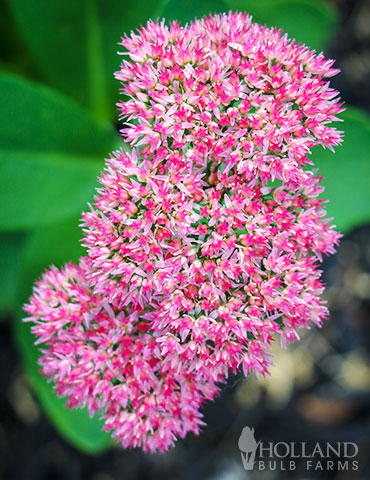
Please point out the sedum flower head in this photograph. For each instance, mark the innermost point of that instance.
(214, 224)
(203, 243)
(106, 360)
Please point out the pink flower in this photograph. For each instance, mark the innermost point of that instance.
(204, 243)
(106, 360)
(221, 249)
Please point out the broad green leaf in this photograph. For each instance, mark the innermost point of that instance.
(56, 245)
(309, 21)
(11, 245)
(52, 244)
(187, 10)
(74, 44)
(41, 188)
(346, 172)
(36, 118)
(76, 426)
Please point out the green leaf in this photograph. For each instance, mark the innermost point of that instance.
(54, 245)
(75, 426)
(346, 173)
(187, 10)
(36, 118)
(74, 44)
(41, 188)
(51, 152)
(11, 245)
(312, 22)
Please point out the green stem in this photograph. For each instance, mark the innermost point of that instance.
(98, 95)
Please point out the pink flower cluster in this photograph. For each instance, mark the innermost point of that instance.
(106, 360)
(203, 244)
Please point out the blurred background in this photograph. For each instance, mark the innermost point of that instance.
(58, 121)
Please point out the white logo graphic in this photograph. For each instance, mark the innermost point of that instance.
(248, 446)
(334, 456)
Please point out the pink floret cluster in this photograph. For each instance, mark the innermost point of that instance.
(107, 360)
(203, 243)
